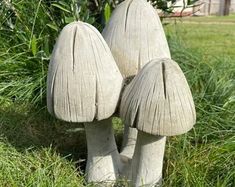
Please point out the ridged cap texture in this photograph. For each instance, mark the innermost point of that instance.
(84, 82)
(158, 100)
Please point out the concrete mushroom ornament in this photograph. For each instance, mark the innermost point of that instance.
(83, 85)
(88, 79)
(158, 102)
(135, 36)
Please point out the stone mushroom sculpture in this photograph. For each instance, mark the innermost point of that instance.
(84, 84)
(135, 36)
(158, 103)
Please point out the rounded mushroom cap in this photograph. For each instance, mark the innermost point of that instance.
(158, 100)
(135, 36)
(84, 82)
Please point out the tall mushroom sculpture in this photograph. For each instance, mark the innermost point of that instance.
(158, 103)
(84, 85)
(135, 36)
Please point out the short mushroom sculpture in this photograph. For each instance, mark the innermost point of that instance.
(84, 85)
(158, 102)
(135, 36)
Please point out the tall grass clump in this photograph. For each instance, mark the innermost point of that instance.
(205, 156)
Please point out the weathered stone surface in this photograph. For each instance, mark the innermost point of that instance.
(103, 161)
(147, 162)
(84, 82)
(158, 101)
(135, 36)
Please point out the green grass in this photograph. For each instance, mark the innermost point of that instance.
(36, 167)
(213, 40)
(38, 150)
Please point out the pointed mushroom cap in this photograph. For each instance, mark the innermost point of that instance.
(84, 82)
(158, 101)
(135, 36)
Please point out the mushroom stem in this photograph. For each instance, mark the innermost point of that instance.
(129, 141)
(147, 161)
(103, 160)
(128, 148)
(130, 134)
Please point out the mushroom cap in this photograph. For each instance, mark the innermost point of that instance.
(135, 36)
(158, 101)
(84, 82)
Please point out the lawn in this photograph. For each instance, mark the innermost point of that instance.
(38, 150)
(214, 39)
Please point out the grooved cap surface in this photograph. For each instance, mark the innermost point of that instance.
(84, 82)
(135, 36)
(158, 101)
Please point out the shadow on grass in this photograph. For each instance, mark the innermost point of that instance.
(25, 127)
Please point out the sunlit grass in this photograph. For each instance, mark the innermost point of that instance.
(36, 167)
(209, 39)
